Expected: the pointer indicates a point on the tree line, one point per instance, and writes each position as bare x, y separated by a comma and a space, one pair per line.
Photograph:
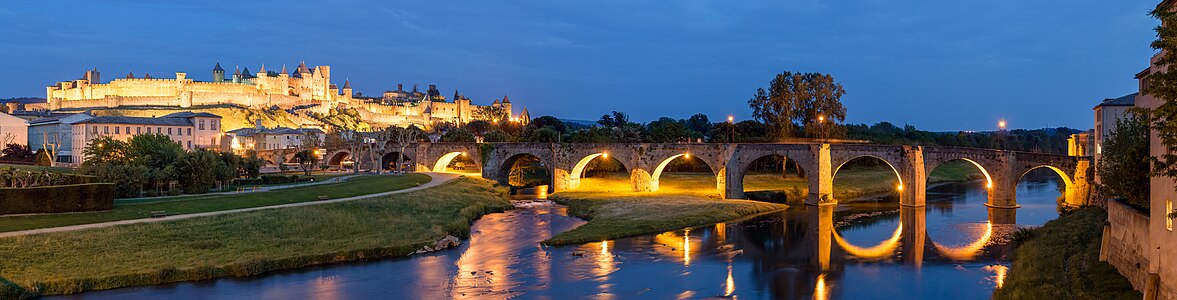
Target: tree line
153, 164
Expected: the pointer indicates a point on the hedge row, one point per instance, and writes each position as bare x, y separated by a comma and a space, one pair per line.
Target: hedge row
57, 199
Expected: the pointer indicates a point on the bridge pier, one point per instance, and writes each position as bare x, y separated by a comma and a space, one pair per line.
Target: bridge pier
821, 180
914, 179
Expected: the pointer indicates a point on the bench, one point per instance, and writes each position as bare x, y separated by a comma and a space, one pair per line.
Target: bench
321, 198
159, 213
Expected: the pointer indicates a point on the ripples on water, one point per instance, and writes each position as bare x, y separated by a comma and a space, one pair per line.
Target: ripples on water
955, 248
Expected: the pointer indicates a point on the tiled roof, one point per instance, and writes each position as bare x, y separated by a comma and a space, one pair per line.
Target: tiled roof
188, 114
1126, 100
138, 121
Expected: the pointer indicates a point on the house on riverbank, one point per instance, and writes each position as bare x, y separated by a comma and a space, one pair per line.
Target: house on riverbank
1137, 242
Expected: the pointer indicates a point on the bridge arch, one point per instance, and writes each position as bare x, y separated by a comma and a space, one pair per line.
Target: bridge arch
336, 158
1061, 174
894, 169
503, 173
388, 161
656, 175
580, 168
984, 171
444, 161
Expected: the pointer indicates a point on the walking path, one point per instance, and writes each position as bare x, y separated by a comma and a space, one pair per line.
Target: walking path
262, 188
437, 179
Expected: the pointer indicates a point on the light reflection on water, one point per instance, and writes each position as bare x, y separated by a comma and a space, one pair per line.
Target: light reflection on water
954, 248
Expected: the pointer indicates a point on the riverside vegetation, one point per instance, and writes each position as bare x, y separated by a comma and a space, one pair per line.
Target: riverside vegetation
1060, 260
243, 244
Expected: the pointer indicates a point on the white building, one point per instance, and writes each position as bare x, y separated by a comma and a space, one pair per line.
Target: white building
1107, 114
55, 130
260, 138
190, 130
13, 130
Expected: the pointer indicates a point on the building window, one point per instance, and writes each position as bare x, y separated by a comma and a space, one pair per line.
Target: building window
169, 131
116, 130
189, 131
1168, 219
159, 130
201, 122
128, 129
138, 130
105, 129
189, 144
214, 124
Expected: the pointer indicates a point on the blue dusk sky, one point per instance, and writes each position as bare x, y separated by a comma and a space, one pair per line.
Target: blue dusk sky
938, 65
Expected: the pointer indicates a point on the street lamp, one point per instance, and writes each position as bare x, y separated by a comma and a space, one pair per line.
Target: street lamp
1001, 124
731, 125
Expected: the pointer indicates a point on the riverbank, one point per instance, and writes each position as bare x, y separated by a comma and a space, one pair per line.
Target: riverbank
143, 208
1060, 260
613, 215
243, 244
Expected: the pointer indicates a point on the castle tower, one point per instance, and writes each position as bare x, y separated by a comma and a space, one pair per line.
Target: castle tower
218, 73
237, 75
347, 92
92, 76
507, 107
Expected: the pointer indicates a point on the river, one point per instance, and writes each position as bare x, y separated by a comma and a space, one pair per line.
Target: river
955, 248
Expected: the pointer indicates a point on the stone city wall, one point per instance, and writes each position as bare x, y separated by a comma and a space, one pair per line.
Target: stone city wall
1125, 240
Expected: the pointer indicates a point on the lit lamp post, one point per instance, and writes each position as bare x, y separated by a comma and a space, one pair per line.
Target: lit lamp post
1001, 134
821, 129
731, 125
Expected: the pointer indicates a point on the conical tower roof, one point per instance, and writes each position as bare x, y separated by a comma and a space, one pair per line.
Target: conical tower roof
346, 84
263, 70
284, 70
218, 68
505, 100
147, 76
130, 75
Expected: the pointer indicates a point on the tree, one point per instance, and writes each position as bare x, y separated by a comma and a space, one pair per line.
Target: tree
544, 135
798, 100
251, 165
306, 160
459, 135
17, 153
1163, 85
479, 127
667, 130
50, 143
699, 123
614, 120
404, 137
197, 171
1124, 164
549, 121
106, 150
498, 136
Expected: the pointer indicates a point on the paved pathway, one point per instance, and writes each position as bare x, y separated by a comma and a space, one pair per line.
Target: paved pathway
260, 188
438, 179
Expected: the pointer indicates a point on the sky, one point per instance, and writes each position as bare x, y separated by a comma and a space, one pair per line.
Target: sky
938, 65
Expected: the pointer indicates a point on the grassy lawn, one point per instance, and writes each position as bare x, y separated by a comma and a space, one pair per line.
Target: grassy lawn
1060, 260
613, 215
138, 209
243, 244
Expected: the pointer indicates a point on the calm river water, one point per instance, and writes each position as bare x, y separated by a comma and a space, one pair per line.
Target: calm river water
955, 248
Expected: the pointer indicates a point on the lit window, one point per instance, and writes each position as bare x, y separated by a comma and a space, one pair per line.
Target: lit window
1168, 219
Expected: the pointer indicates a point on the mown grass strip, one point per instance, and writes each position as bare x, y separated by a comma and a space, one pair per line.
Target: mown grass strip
356, 186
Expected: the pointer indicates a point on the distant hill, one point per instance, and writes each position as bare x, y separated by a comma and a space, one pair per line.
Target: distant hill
578, 124
25, 100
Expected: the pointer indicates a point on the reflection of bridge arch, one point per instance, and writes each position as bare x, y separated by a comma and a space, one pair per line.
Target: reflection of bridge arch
969, 251
883, 250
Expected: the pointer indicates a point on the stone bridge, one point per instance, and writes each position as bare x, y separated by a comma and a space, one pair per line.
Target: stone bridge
729, 163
